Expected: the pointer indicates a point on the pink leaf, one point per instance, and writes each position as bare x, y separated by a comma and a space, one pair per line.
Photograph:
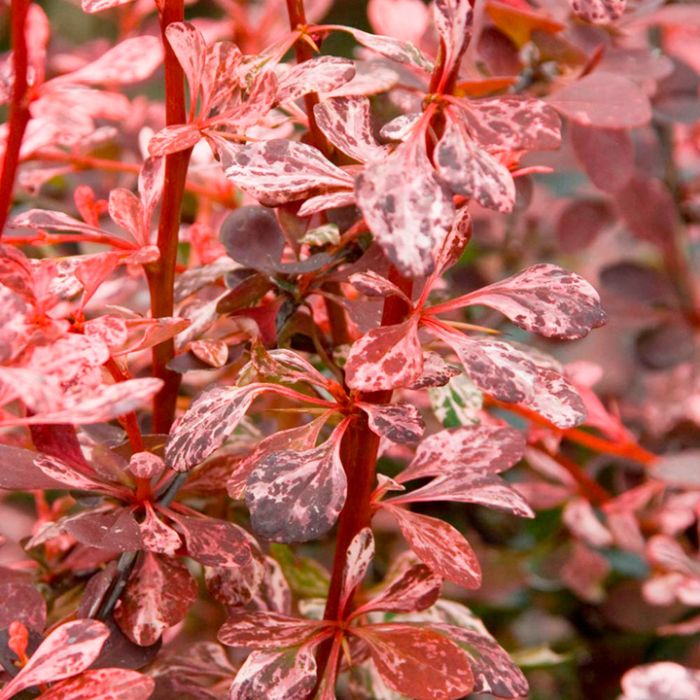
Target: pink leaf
156, 535
372, 284
416, 589
407, 208
436, 372
103, 684
440, 546
207, 423
279, 171
607, 155
346, 123
130, 61
66, 652
66, 475
171, 139
99, 5
418, 662
512, 123
53, 221
111, 330
471, 171
481, 449
403, 19
214, 542
319, 74
126, 211
452, 20
545, 299
276, 675
400, 423
385, 358
358, 557
321, 202
266, 630
158, 595
212, 352
604, 100
189, 47
394, 49
145, 465
661, 681
599, 11
297, 496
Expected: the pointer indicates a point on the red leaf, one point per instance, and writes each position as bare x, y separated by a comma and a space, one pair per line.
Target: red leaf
297, 496
19, 472
400, 423
544, 299
512, 123
207, 423
66, 652
346, 123
470, 171
407, 208
130, 61
415, 589
214, 542
114, 529
21, 602
158, 595
598, 11
480, 449
418, 662
607, 155
385, 358
440, 546
281, 675
358, 557
604, 100
266, 630
103, 684
279, 171
319, 74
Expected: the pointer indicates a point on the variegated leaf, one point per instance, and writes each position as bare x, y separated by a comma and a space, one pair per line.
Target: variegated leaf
266, 630
346, 123
214, 542
279, 171
358, 557
470, 171
599, 11
417, 588
459, 402
189, 47
207, 423
394, 49
69, 650
513, 123
436, 372
18, 471
418, 662
661, 681
545, 299
297, 496
174, 138
452, 20
68, 476
385, 358
103, 684
113, 529
401, 423
276, 675
440, 546
480, 449
156, 535
407, 208
146, 465
158, 595
319, 74
372, 284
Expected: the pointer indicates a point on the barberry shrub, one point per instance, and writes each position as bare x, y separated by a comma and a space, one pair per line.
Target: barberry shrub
287, 388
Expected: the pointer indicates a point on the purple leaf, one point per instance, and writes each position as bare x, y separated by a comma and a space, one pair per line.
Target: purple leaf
103, 684
346, 123
276, 675
114, 529
207, 423
158, 595
545, 299
607, 155
480, 449
385, 358
407, 208
319, 74
603, 100
297, 496
279, 171
470, 171
19, 472
418, 662
417, 588
66, 652
266, 630
401, 423
440, 546
22, 602
214, 542
581, 222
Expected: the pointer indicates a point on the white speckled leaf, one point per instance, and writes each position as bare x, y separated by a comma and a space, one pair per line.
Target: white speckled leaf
319, 74
452, 20
265, 630
394, 49
358, 557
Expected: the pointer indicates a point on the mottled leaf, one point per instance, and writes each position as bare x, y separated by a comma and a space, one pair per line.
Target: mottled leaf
358, 557
113, 529
319, 74
189, 47
156, 535
598, 11
400, 423
103, 684
452, 20
394, 49
174, 138
458, 402
266, 630
372, 284
21, 602
19, 472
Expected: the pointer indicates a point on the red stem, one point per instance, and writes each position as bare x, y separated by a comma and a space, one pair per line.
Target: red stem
18, 116
161, 274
